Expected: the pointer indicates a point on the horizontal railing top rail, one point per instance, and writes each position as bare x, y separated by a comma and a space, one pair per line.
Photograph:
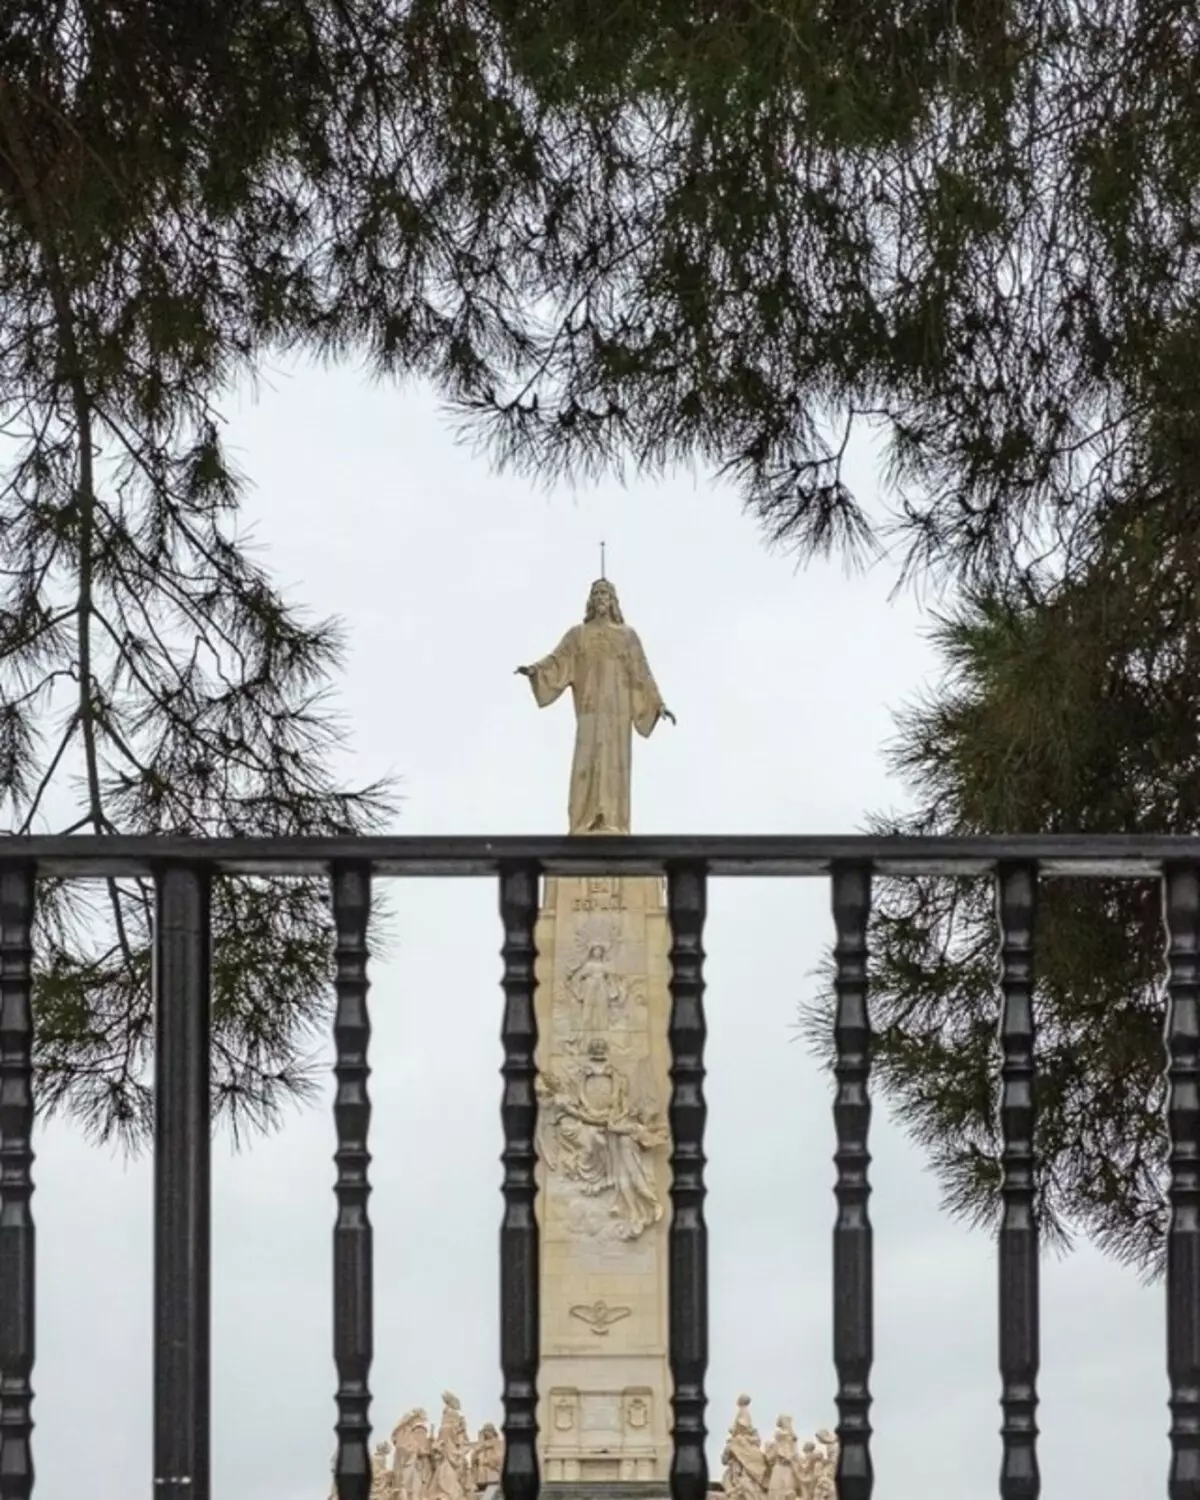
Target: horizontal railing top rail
1110, 854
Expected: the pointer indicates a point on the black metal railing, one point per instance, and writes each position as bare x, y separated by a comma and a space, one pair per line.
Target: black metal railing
183, 871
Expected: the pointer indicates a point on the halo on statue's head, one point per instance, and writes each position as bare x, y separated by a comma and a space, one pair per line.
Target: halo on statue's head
600, 589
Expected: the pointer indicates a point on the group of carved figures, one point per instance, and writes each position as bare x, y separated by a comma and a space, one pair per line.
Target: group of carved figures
785, 1469
447, 1464
420, 1463
595, 1136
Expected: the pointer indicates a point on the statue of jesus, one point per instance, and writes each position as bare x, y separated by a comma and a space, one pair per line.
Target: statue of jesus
614, 691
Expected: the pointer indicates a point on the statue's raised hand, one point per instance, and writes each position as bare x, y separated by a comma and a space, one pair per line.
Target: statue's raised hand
523, 672
665, 713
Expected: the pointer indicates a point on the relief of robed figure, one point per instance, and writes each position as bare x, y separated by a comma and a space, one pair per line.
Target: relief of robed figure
785, 1469
745, 1462
451, 1452
413, 1462
592, 1134
614, 693
598, 991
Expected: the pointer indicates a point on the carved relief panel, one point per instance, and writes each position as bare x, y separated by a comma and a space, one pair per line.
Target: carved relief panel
602, 1126
603, 1146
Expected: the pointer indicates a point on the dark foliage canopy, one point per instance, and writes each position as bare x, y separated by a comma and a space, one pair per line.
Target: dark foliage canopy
684, 233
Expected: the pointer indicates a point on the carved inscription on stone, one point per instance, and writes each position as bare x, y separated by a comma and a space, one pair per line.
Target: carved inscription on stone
602, 1412
603, 893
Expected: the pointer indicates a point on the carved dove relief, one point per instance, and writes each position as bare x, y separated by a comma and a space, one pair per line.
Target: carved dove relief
599, 1317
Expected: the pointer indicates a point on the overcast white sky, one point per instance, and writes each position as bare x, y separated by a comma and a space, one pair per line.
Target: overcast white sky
783, 682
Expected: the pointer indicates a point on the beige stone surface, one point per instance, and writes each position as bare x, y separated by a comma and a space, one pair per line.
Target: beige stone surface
487, 1457
614, 693
603, 1145
421, 1464
785, 1469
602, 1007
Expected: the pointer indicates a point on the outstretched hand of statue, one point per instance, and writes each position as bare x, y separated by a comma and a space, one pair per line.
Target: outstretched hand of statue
665, 713
523, 672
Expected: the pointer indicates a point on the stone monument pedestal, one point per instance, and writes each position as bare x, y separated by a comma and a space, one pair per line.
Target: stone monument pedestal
602, 1004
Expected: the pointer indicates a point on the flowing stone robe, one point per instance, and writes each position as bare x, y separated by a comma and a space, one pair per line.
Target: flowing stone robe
451, 1477
590, 1133
614, 693
746, 1463
413, 1463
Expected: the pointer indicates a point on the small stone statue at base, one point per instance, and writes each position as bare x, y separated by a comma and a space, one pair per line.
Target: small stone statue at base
383, 1486
783, 1463
417, 1465
451, 1453
487, 1457
412, 1463
783, 1470
744, 1460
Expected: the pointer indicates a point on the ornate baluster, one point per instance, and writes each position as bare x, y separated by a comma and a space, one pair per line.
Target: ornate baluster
17, 1264
1182, 901
353, 1314
1016, 892
519, 1270
853, 1289
182, 1186
687, 1285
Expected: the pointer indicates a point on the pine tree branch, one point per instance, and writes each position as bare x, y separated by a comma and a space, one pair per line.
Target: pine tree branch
86, 490
47, 777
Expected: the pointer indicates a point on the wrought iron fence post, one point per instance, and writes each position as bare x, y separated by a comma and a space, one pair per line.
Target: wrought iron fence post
17, 1237
353, 1307
853, 1273
182, 1186
519, 1244
1182, 903
1016, 901
687, 1284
